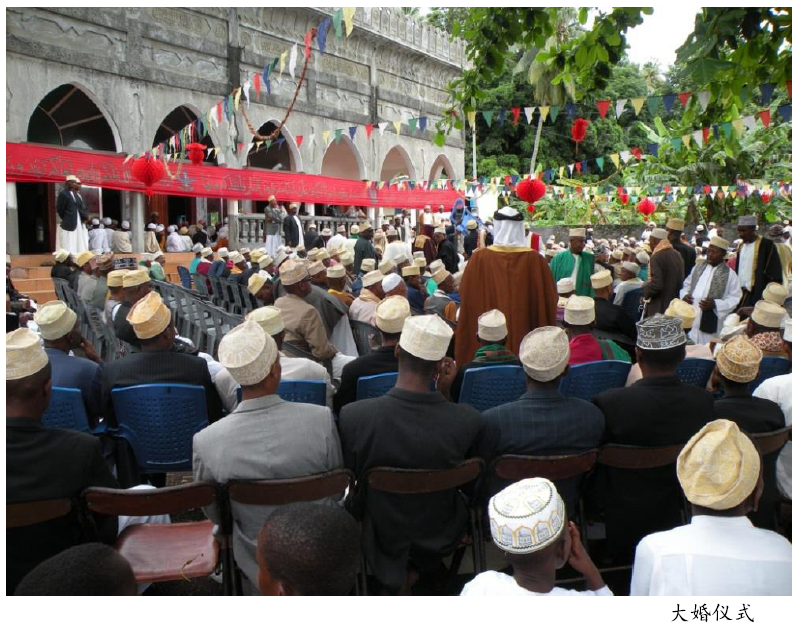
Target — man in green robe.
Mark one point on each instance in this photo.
(574, 263)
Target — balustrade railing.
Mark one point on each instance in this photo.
(251, 227)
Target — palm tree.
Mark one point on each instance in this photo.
(651, 74)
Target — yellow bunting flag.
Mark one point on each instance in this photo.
(683, 190)
(544, 111)
(326, 137)
(348, 17)
(237, 92)
(738, 125)
(637, 191)
(562, 171)
(281, 60)
(397, 125)
(615, 159)
(686, 139)
(471, 115)
(637, 104)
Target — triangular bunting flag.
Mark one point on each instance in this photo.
(652, 148)
(705, 134)
(338, 132)
(352, 132)
(766, 91)
(397, 125)
(544, 111)
(307, 44)
(293, 60)
(785, 112)
(619, 106)
(668, 101)
(686, 139)
(562, 172)
(280, 142)
(413, 124)
(257, 83)
(501, 114)
(704, 98)
(676, 142)
(422, 122)
(516, 113)
(237, 93)
(765, 117)
(471, 116)
(326, 137)
(571, 168)
(697, 136)
(488, 116)
(749, 121)
(348, 18)
(528, 111)
(382, 126)
(653, 102)
(600, 162)
(337, 22)
(684, 97)
(282, 61)
(299, 140)
(570, 110)
(637, 104)
(602, 106)
(368, 129)
(738, 125)
(615, 159)
(322, 34)
(788, 87)
(554, 111)
(625, 156)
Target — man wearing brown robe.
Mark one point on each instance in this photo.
(508, 276)
(666, 274)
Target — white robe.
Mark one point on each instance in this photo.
(174, 243)
(97, 239)
(396, 248)
(724, 306)
(625, 287)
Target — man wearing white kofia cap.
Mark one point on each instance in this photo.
(720, 553)
(363, 309)
(44, 463)
(628, 273)
(64, 268)
(492, 351)
(666, 274)
(528, 521)
(658, 410)
(609, 317)
(157, 362)
(264, 438)
(412, 427)
(578, 321)
(763, 328)
(71, 234)
(757, 263)
(543, 421)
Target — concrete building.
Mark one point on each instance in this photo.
(125, 79)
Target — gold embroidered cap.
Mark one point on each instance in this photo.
(368, 265)
(739, 360)
(255, 283)
(719, 242)
(115, 278)
(346, 258)
(61, 255)
(440, 275)
(580, 310)
(492, 326)
(136, 277)
(719, 466)
(544, 353)
(684, 311)
(675, 224)
(618, 254)
(24, 354)
(105, 261)
(436, 265)
(206, 252)
(84, 258)
(54, 319)
(293, 272)
(410, 271)
(601, 279)
(426, 337)
(391, 314)
(527, 516)
(336, 271)
(419, 262)
(248, 353)
(149, 316)
(659, 234)
(386, 266)
(365, 226)
(269, 318)
(371, 278)
(316, 268)
(775, 293)
(579, 232)
(768, 314)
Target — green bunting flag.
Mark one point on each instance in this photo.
(413, 124)
(676, 143)
(653, 102)
(337, 133)
(554, 111)
(338, 23)
(488, 116)
(600, 162)
(727, 128)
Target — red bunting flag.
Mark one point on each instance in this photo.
(368, 129)
(603, 105)
(507, 180)
(578, 166)
(299, 140)
(788, 86)
(516, 112)
(667, 189)
(684, 96)
(307, 43)
(638, 154)
(707, 189)
(257, 83)
(220, 111)
(765, 117)
(705, 134)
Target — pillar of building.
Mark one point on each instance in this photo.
(137, 222)
(12, 220)
(232, 212)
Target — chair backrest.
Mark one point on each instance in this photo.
(631, 304)
(295, 490)
(303, 391)
(638, 457)
(491, 386)
(366, 336)
(422, 481)
(695, 371)
(200, 284)
(770, 367)
(159, 421)
(375, 385)
(170, 500)
(297, 351)
(586, 380)
(186, 279)
(772, 441)
(59, 286)
(551, 467)
(66, 410)
(35, 512)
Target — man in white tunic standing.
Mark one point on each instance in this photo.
(71, 233)
(714, 288)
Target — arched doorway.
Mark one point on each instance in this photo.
(282, 154)
(170, 209)
(396, 163)
(343, 161)
(69, 116)
(441, 168)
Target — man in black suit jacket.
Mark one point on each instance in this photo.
(136, 285)
(292, 226)
(70, 206)
(658, 410)
(157, 363)
(44, 463)
(609, 317)
(312, 238)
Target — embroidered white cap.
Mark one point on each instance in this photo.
(492, 326)
(391, 314)
(426, 337)
(269, 318)
(25, 355)
(248, 353)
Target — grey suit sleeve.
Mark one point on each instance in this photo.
(201, 472)
(334, 451)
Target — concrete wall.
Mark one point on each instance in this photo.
(617, 231)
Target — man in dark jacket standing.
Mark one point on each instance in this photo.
(71, 233)
(292, 227)
(446, 251)
(666, 274)
(674, 227)
(758, 262)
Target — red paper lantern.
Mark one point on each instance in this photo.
(579, 129)
(149, 171)
(765, 197)
(624, 198)
(196, 152)
(647, 208)
(530, 190)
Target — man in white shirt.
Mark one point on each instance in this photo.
(363, 309)
(712, 286)
(528, 523)
(395, 247)
(174, 242)
(780, 390)
(97, 237)
(720, 553)
(108, 234)
(647, 232)
(628, 272)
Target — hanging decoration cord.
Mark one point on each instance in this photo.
(277, 130)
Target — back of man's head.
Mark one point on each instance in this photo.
(308, 549)
(92, 569)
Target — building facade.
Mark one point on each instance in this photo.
(125, 79)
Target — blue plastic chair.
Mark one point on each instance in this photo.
(631, 304)
(186, 279)
(159, 420)
(67, 411)
(586, 380)
(303, 391)
(490, 386)
(770, 367)
(695, 371)
(375, 385)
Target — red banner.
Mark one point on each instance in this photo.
(30, 163)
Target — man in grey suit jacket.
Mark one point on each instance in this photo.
(264, 438)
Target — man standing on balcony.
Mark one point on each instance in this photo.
(71, 233)
(272, 226)
(293, 231)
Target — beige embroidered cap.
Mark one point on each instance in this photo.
(115, 278)
(347, 258)
(527, 516)
(354, 229)
(223, 252)
(316, 268)
(368, 265)
(24, 354)
(321, 254)
(768, 314)
(269, 318)
(410, 271)
(364, 227)
(419, 262)
(391, 314)
(105, 261)
(564, 286)
(419, 254)
(264, 261)
(386, 266)
(618, 254)
(244, 250)
(293, 272)
(631, 267)
(684, 311)
(371, 278)
(659, 234)
(472, 225)
(248, 353)
(426, 337)
(492, 326)
(255, 256)
(149, 316)
(544, 353)
(136, 277)
(775, 293)
(84, 258)
(206, 252)
(719, 242)
(440, 275)
(61, 255)
(580, 310)
(576, 233)
(601, 279)
(739, 360)
(335, 272)
(719, 466)
(236, 258)
(642, 257)
(675, 224)
(281, 255)
(54, 319)
(326, 232)
(436, 265)
(255, 283)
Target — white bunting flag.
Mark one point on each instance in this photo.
(571, 168)
(619, 106)
(704, 98)
(528, 112)
(697, 135)
(246, 88)
(749, 121)
(714, 188)
(625, 155)
(382, 126)
(293, 59)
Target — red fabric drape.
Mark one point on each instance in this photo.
(31, 163)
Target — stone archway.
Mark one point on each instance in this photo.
(280, 155)
(175, 121)
(342, 160)
(396, 163)
(441, 168)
